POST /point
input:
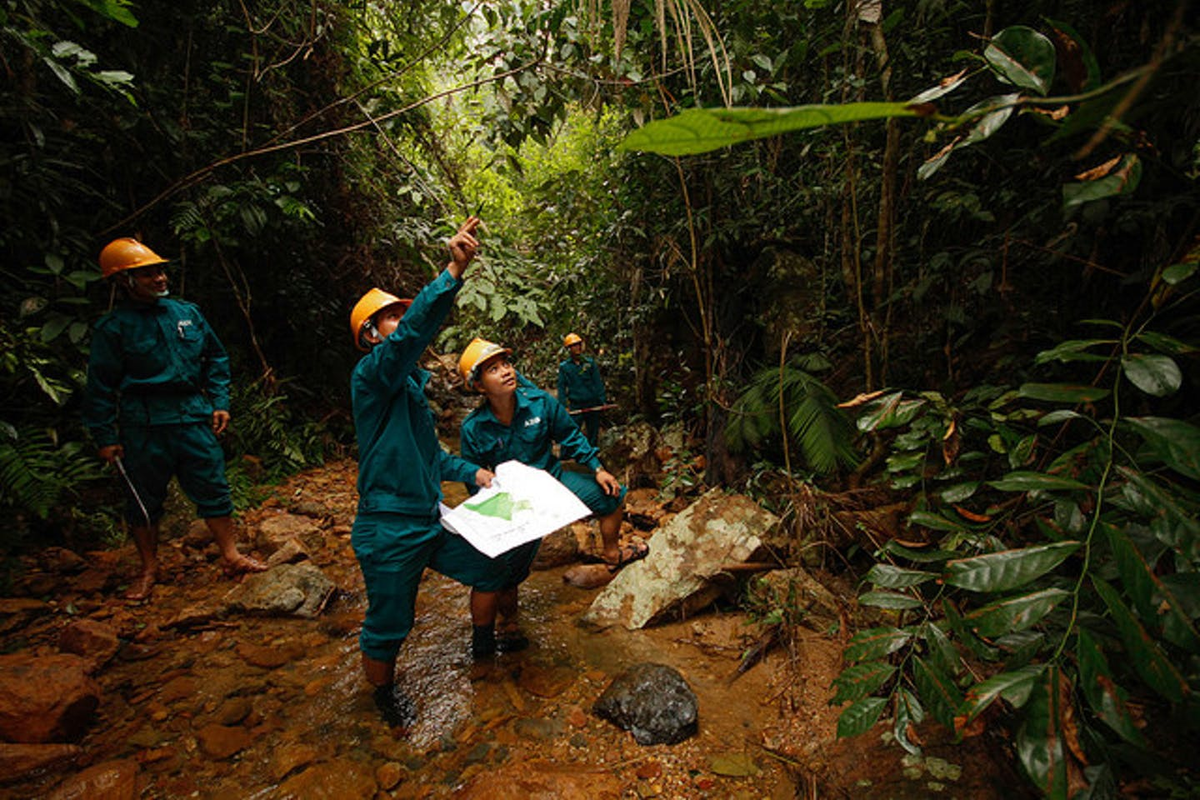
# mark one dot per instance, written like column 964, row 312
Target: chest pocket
column 189, row 338
column 144, row 355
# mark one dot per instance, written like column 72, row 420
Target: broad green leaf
column 1142, row 651
column 944, row 87
column 908, row 712
column 1122, row 179
column 927, row 519
column 929, row 556
column 1015, row 613
column 894, row 601
column 116, row 10
column 1155, row 375
column 1008, row 569
column 1034, row 482
column 1022, row 452
column 1136, row 575
column 941, row 649
column 1074, row 350
column 1165, row 344
column 958, row 492
column 875, row 643
column 1103, row 694
column 861, row 680
column 1063, row 392
column 1039, row 740
column 964, row 633
column 701, row 130
column 1176, row 442
column 992, row 113
column 1055, row 417
column 1023, row 57
column 860, row 717
column 1178, row 273
column 890, row 577
column 1014, row 686
column 889, row 412
column 937, row 690
column 54, row 326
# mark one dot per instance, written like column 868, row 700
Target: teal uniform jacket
column 580, row 384
column 153, row 364
column 538, row 422
column 401, row 464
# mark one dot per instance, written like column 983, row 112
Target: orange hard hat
column 126, row 253
column 367, row 307
column 475, row 355
column 572, row 338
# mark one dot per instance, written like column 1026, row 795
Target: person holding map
column 521, row 422
column 401, row 466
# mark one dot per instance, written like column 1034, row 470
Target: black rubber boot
column 511, row 642
column 483, row 641
column 396, row 708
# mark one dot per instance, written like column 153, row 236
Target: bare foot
column 141, row 588
column 240, row 565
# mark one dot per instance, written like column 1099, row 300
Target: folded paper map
column 521, row 505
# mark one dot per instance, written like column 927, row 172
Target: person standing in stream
column 157, row 398
column 401, row 465
column 581, row 388
column 521, row 422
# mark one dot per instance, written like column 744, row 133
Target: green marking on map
column 500, row 505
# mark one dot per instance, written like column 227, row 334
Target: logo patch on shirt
column 181, row 327
column 532, row 421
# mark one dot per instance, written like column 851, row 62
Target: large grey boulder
column 699, row 543
column 299, row 590
column 653, row 702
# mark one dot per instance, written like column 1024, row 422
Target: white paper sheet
column 521, row 505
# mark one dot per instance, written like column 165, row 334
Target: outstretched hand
column 463, row 246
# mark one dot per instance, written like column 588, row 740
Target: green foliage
column 38, row 473
column 266, row 428
column 1061, row 573
column 791, row 399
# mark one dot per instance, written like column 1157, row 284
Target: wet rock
column 299, row 590
column 275, row 531
column 651, row 701
column 292, row 551
column 222, row 741
column 269, row 657
column 195, row 616
column 289, row 758
column 536, row 778
column 17, row 612
column 587, row 576
column 540, row 729
column 643, row 509
column 45, row 698
column 92, row 640
column 340, row 779
column 233, row 711
column 677, row 577
column 559, row 548
column 61, row 560
column 197, row 536
column 309, row 508
column 546, row 682
column 388, row 775
column 111, row 780
column 20, row 760
column 94, row 581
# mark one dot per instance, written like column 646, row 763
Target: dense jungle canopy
column 974, row 225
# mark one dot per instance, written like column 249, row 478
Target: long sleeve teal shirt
column 538, row 422
column 153, row 364
column 580, row 384
column 401, row 464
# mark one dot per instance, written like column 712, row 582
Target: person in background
column 401, row 466
column 156, row 399
column 521, row 422
column 581, row 387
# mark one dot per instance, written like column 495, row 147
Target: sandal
column 635, row 550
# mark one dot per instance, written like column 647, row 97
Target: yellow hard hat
column 126, row 253
column 368, row 306
column 474, row 356
column 572, row 338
